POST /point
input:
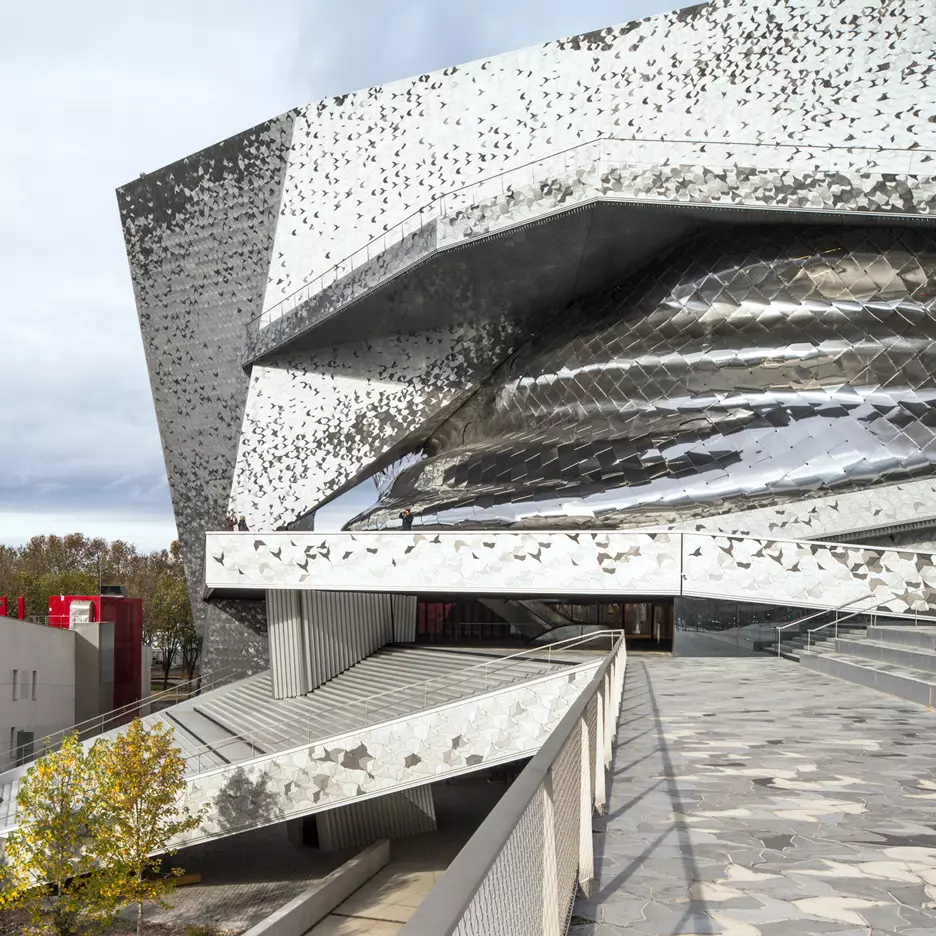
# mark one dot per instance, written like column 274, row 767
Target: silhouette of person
column 242, row 526
column 407, row 517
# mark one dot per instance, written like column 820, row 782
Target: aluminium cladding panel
column 787, row 572
column 809, row 573
column 751, row 365
column 704, row 100
column 199, row 235
column 478, row 562
column 884, row 505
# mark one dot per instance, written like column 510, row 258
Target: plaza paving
column 754, row 798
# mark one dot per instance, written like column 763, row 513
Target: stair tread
column 917, row 651
column 891, row 669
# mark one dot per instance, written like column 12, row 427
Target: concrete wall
column 94, row 661
column 49, row 707
column 302, row 913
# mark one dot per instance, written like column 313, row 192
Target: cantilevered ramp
column 403, row 717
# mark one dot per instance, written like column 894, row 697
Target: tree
column 49, row 867
column 191, row 646
column 141, row 777
column 171, row 612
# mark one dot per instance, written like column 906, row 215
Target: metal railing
column 115, row 718
column 872, row 612
column 520, row 872
column 810, row 617
column 374, row 709
column 604, row 154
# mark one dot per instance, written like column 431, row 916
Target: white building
column 37, row 685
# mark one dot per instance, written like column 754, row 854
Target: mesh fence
column 530, row 888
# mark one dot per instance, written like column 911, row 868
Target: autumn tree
column 171, row 614
column 49, row 869
column 191, row 647
column 141, row 776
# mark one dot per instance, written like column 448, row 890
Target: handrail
column 809, row 618
column 112, row 715
column 872, row 610
column 450, row 678
column 446, row 904
column 256, row 323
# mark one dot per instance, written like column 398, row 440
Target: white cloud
column 91, row 94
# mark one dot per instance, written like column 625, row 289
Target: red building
column 114, row 607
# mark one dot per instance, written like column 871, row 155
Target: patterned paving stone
column 753, row 798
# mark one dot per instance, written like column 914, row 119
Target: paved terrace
column 754, row 798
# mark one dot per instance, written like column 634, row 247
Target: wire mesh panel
column 566, row 786
column 511, row 896
column 520, row 873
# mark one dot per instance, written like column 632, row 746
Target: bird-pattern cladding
column 778, row 83
column 198, row 235
column 797, row 104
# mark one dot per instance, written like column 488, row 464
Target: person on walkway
column 407, row 518
column 228, row 523
column 242, row 525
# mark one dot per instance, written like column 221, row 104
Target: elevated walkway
column 544, row 564
column 403, row 717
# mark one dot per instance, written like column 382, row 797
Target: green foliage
column 141, row 779
column 75, row 564
column 171, row 626
column 92, row 825
column 49, row 869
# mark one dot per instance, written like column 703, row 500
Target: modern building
column 86, row 660
column 37, row 686
column 630, row 332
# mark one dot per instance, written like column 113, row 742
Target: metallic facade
column 552, row 172
column 761, row 364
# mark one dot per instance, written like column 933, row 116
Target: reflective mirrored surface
column 747, row 368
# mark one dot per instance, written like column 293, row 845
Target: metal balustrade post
column 600, row 792
column 586, row 863
column 552, row 908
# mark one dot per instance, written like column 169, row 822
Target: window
column 34, row 686
column 15, row 683
column 24, row 746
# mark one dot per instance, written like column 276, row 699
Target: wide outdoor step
column 883, row 652
column 903, row 682
column 923, row 638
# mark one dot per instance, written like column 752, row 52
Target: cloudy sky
column 92, row 94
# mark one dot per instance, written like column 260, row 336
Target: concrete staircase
column 894, row 659
column 425, row 712
column 793, row 641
